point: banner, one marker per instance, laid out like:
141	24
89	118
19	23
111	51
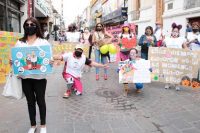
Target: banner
176	66
134	71
7	40
68	47
31	60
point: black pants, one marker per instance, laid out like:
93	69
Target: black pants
34	90
90	51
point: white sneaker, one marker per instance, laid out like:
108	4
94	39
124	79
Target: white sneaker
43	130
177	88
166	86
32	130
78	93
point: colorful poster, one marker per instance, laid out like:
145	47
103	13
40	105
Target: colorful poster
7	40
68	47
31	60
176	66
134	71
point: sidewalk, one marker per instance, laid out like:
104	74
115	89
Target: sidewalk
103	109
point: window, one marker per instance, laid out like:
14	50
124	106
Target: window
2	18
170	6
13	21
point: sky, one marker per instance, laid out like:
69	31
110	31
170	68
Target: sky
71	8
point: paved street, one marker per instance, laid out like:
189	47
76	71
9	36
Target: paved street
103	109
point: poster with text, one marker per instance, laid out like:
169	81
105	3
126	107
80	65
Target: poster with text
134	71
176	66
31	60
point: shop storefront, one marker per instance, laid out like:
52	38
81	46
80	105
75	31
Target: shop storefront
10	15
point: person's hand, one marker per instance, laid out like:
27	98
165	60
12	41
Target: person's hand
105	66
10	62
51	62
144	42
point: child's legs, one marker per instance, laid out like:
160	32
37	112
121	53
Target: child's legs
78	85
97	59
139	85
69	85
104	61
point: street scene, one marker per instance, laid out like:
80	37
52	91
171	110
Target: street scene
100	66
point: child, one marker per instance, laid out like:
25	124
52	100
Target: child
75	63
133	55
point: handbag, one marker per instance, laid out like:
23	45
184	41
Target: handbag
13	87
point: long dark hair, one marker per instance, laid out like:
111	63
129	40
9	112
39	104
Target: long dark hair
38	29
103	30
129	32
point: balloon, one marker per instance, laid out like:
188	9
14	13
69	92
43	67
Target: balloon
104	49
112	49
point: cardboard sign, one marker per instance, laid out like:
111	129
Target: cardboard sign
176	66
134	71
128	43
31	60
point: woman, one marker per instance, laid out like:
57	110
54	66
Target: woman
147	40
175	41
193	37
100	37
124	49
72	34
84	37
34	86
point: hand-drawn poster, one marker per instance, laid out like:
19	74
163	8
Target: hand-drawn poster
176	66
134	71
7	40
31	60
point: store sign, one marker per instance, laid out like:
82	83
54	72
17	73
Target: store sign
42	4
112	15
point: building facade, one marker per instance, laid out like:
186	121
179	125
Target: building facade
12	13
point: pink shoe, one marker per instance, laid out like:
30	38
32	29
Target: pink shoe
97	76
67	94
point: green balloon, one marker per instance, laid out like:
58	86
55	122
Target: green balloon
156	77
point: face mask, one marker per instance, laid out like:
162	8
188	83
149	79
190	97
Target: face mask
86	31
30	30
195	30
99	29
78	53
175	34
126	29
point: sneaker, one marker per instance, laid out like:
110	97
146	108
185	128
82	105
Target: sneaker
43	130
78	93
138	90
97	76
105	77
67	94
32	130
177	88
167	86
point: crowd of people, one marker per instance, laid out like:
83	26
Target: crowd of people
34	86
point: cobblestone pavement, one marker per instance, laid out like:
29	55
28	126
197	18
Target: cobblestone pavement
103	109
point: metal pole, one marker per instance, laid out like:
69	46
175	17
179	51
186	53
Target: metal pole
55	30
6	17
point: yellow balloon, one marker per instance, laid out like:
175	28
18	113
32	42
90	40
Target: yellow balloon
104	49
112	49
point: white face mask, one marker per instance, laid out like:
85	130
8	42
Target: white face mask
86	31
175	34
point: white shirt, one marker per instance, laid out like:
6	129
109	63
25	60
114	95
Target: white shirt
38	42
191	36
174	42
98	36
73	36
74	66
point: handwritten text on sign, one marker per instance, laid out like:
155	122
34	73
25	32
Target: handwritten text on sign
171	65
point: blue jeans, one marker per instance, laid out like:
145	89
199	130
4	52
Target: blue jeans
139	85
144	56
103	60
